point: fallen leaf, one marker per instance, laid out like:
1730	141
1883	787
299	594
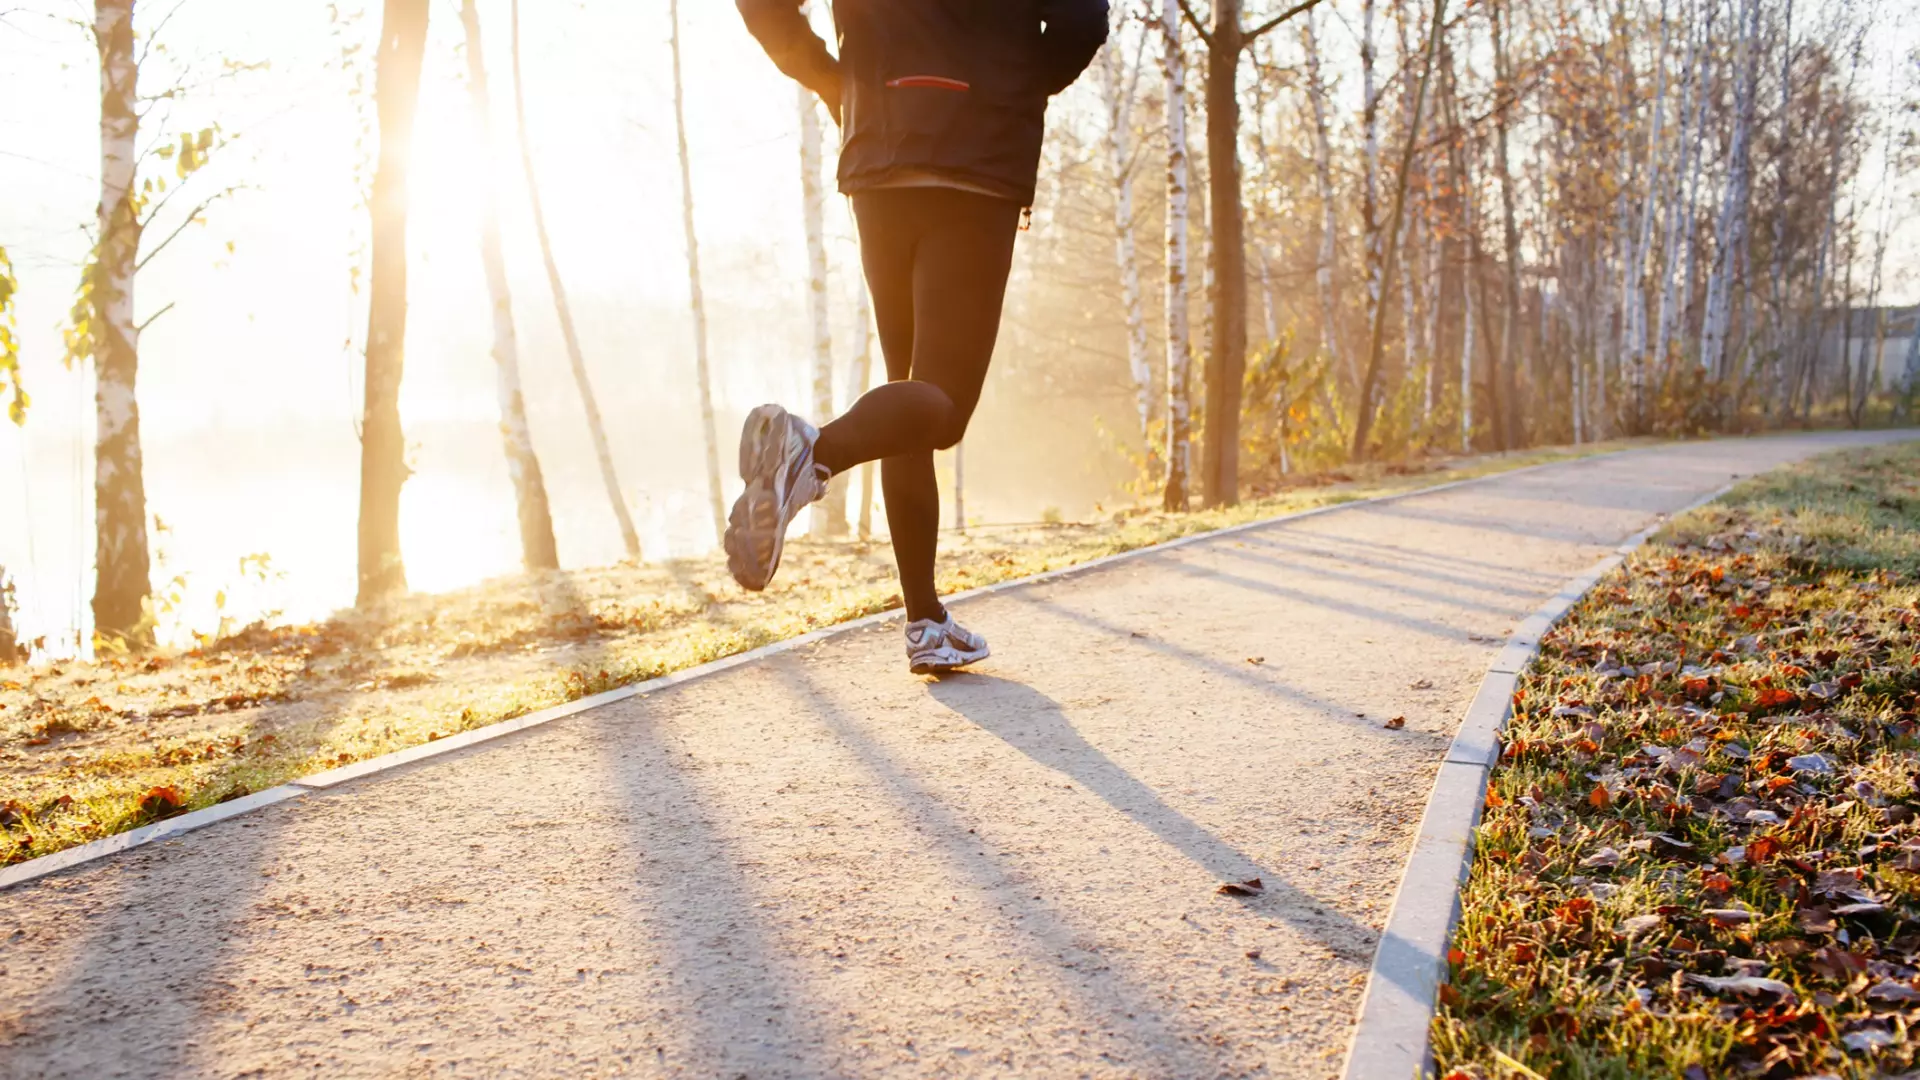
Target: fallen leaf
1606	858
1599	798
1728	917
1815	920
1249	887
1888	990
1867	1039
1256	659
161	800
1744	985
1396	723
1810	763
1640	924
1860	909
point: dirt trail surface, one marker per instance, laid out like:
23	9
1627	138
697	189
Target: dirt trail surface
819	866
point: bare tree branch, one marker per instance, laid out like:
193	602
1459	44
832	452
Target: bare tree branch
1300	8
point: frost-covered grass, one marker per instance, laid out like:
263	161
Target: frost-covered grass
1700	855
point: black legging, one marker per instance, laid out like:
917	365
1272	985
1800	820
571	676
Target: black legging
936	262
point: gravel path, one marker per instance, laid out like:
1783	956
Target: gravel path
819	866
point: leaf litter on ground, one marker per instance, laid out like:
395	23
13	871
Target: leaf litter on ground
1701	849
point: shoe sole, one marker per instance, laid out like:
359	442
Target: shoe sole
942	660
756	535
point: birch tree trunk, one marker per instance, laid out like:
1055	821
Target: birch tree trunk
1692	118
960	487
1730	235
859	382
121	561
1324	267
1370	179
1507	423
696	291
1179	350
1470	225
537	549
383	466
609	478
831	517
1910	371
1777	269
1116	95
1633	284
1390	229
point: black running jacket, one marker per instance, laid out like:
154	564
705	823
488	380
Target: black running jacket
948	88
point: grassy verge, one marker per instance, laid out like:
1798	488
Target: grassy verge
91	749
1700	856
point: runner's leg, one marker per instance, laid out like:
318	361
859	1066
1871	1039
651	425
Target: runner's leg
936	262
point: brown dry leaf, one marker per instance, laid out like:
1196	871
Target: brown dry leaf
1815	920
1604	859
1729	917
1599	798
1249	887
1256	659
1396	723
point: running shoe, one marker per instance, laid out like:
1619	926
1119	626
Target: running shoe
776	461
935	647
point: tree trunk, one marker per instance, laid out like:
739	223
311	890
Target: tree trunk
1509	418
1115	86
960	488
383	465
1324	268
609	479
523	466
1692	120
1910	372
1730	235
1227	358
1470	227
1633	285
858	384
1179	347
1777	269
697	293
1370	240
1364	421
831	518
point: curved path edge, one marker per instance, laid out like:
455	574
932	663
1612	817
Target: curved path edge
45	865
1392	1040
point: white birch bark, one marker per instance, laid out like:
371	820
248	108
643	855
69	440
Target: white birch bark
516	436
695	291
1116	91
1730	235
1633	280
830	517
576	358
1691	120
1179	345
122	564
1910	371
1324	269
859	381
1470	198
960	487
1370	150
